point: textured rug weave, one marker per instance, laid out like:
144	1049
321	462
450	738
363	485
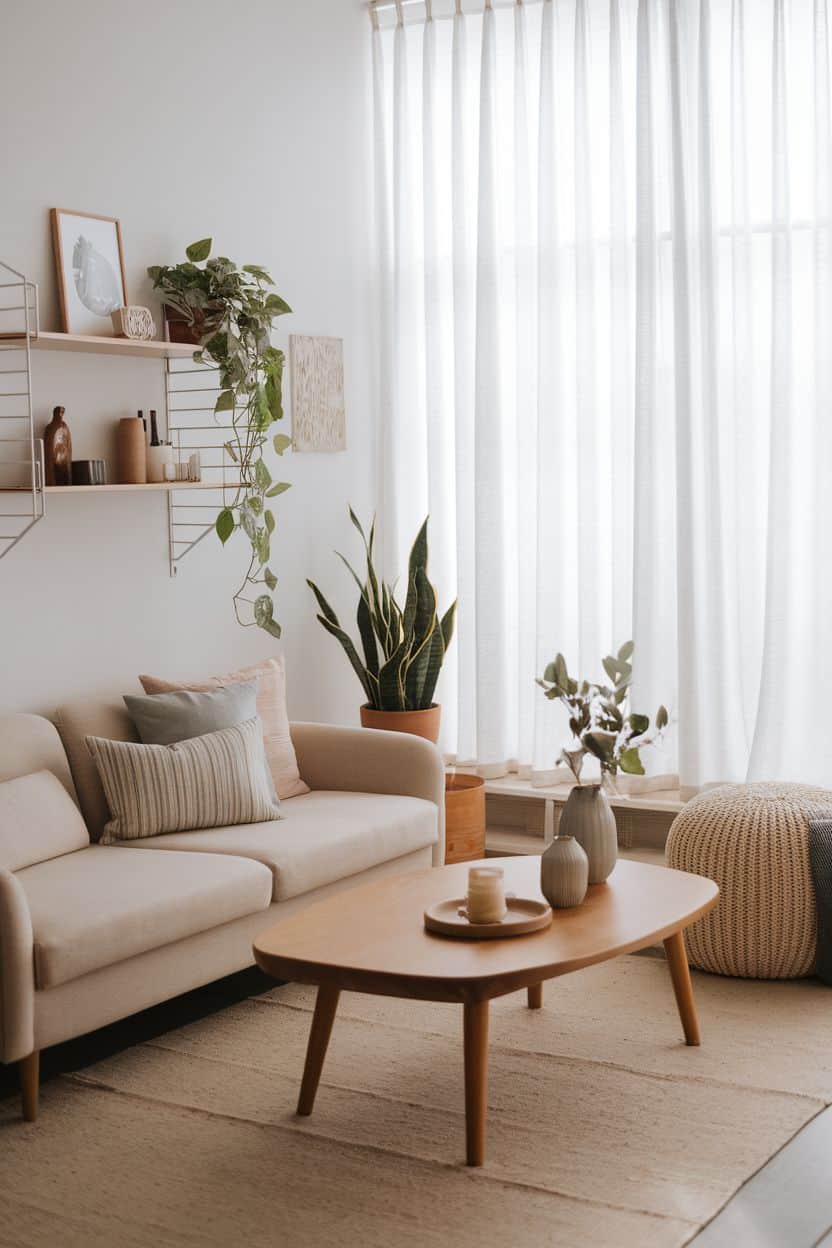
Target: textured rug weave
604	1129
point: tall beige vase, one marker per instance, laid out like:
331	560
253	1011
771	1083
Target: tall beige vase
588	817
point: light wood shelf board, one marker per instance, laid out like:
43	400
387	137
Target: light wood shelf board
89	343
164	486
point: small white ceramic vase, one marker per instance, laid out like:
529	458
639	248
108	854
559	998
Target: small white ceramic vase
564	873
588	817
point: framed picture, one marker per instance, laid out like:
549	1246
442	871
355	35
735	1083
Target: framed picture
90	266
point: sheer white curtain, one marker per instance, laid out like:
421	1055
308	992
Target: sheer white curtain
604	247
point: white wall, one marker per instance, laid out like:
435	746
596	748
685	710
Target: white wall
249	122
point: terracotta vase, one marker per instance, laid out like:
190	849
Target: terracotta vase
588	817
564	873
419	723
464	818
180	330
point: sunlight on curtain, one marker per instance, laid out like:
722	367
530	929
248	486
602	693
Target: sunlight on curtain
606	270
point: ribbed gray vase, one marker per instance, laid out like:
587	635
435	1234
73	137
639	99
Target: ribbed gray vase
564	873
587	816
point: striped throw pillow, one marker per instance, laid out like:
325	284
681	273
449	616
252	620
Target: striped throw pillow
207	782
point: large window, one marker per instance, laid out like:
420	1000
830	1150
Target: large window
604	253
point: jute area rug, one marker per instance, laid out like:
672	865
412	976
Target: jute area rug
603	1128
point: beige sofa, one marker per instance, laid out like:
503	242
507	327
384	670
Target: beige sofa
96	933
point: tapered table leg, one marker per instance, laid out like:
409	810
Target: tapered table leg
322	1020
29	1072
475	1025
535	996
677	960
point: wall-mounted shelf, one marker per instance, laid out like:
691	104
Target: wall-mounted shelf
165	486
152	350
191	422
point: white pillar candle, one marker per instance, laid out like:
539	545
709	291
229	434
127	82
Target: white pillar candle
486	902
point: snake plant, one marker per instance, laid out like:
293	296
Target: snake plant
403	647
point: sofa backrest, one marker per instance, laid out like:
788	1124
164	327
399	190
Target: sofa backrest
92	717
31	743
39	815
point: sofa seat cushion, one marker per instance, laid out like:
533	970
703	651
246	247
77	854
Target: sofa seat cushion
104	904
322	837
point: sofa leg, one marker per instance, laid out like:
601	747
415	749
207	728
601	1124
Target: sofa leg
29	1069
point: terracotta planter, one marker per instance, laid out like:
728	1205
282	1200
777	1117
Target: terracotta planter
464	818
419	723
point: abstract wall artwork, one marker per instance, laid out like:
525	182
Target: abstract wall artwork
90	266
318	419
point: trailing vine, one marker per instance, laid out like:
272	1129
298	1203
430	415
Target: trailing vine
232	310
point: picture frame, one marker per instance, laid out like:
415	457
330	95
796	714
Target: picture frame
89	260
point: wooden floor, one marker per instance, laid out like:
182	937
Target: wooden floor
786	1204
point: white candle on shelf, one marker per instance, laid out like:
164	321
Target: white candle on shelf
486	902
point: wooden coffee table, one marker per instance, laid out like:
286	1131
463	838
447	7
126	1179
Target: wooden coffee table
372	939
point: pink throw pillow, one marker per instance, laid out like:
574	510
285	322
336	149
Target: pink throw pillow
271	707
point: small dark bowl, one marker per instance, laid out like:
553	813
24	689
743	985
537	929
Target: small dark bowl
89	472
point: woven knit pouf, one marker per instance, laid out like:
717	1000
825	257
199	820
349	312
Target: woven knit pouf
752	839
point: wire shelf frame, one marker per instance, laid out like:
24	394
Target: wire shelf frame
191	391
22	477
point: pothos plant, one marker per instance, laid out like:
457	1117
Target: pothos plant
600	718
233	311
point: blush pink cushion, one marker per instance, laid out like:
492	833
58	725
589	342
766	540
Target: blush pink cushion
271	707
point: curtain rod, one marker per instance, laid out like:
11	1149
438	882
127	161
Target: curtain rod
451	7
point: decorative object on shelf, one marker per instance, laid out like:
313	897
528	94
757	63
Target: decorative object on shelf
403	646
232	311
600	719
89	472
588	817
159	454
523	916
753	840
564	873
317	372
131	451
464	817
90	264
133	322
57	449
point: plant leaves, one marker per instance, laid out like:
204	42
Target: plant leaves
270	579
225	524
631	762
661	718
272	626
280	488
262	476
268	517
281	443
601	744
200	250
263	610
225	402
625	652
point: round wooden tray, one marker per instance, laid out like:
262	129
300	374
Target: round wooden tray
523	915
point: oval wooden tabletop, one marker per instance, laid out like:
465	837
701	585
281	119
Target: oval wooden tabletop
372	938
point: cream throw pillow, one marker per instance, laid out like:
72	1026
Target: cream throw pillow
271	707
207	782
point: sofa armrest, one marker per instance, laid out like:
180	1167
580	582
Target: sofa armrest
17	972
369	760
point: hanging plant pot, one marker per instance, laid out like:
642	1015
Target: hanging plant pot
193	332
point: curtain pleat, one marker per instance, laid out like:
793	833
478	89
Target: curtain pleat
606	319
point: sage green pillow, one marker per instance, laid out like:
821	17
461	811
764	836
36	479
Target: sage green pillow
163	718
